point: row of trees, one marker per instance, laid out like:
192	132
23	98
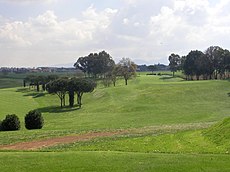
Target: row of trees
95	65
101	65
72	86
33	80
62	86
214	63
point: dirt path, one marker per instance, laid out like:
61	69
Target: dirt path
38	144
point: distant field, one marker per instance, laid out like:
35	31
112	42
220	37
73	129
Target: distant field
12	80
147	103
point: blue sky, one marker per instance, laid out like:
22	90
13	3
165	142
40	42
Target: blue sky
49	32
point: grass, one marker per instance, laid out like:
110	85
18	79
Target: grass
12	80
177	142
146	101
112	161
220	133
165	117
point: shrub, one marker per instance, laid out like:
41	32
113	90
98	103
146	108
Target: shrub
34	120
10	123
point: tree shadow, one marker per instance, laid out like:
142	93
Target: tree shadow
228	94
23	90
57	109
35	95
30	92
166	77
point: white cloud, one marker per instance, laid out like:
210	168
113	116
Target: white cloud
47	34
24	2
147	30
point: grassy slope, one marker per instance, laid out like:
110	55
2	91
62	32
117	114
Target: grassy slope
220	133
215	139
146	101
112	161
180	142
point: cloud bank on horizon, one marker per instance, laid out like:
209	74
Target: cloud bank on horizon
48	32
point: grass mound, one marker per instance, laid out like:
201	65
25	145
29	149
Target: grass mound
220	133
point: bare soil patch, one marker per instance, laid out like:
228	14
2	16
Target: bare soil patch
38	144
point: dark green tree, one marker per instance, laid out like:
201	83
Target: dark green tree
83	85
174	62
72	88
213	53
152	68
58	87
192	64
96	64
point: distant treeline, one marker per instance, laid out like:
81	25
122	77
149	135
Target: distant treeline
213	63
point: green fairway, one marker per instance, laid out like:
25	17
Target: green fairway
112	161
146	101
162	115
180	142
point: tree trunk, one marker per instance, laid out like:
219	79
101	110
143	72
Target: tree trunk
126	81
24	83
38	89
71	98
61	102
44	87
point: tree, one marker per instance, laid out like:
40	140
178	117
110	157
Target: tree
152	68
127	69
192	64
95	63
227	61
30	79
174	62
58	87
83	86
213	54
111	76
72	87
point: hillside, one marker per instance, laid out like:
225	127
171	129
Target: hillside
161	123
220	133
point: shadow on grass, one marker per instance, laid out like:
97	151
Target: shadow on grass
35	95
31	92
166	77
23	90
57	109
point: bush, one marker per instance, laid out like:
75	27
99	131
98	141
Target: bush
34	120
10	123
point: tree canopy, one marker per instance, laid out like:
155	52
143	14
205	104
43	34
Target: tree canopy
95	63
71	86
213	63
127	69
174	62
58	87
